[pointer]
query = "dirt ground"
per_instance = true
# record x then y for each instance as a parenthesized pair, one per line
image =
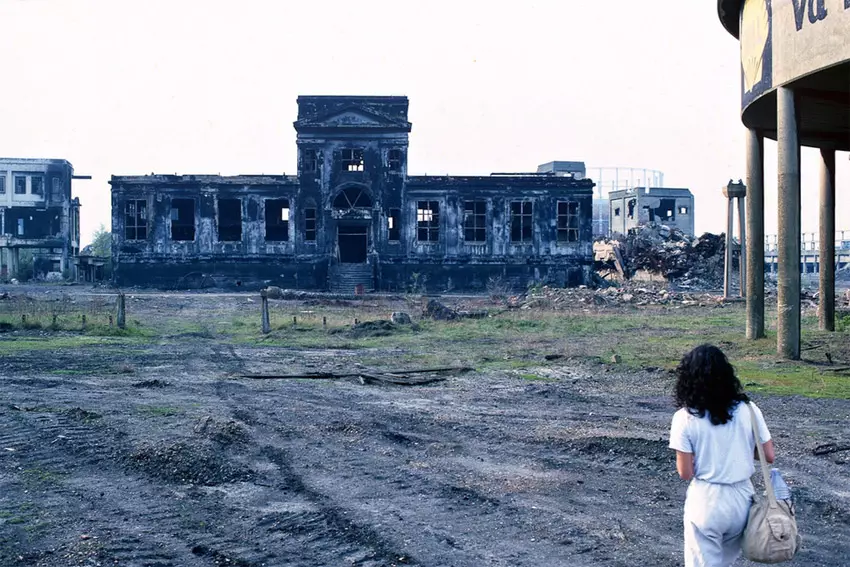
(160, 454)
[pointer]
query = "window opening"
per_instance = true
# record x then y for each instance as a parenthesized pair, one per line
(57, 189)
(352, 159)
(394, 225)
(683, 210)
(475, 221)
(394, 160)
(352, 198)
(568, 221)
(650, 212)
(135, 219)
(229, 220)
(183, 219)
(521, 221)
(20, 185)
(310, 161)
(617, 211)
(666, 209)
(277, 220)
(2, 184)
(631, 205)
(427, 221)
(37, 185)
(310, 225)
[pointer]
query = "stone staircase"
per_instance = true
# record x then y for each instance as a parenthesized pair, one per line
(344, 278)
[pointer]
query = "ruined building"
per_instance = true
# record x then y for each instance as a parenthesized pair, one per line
(637, 206)
(38, 218)
(351, 216)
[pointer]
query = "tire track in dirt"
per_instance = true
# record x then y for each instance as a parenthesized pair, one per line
(432, 465)
(65, 450)
(328, 531)
(320, 535)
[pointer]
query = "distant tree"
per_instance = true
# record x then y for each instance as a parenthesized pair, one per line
(101, 244)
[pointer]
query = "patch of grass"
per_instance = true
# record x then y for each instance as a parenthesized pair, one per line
(38, 526)
(842, 322)
(114, 331)
(68, 372)
(792, 378)
(11, 345)
(159, 411)
(39, 475)
(535, 378)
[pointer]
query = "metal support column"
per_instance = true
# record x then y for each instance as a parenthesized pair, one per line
(826, 305)
(755, 231)
(788, 288)
(734, 192)
(742, 256)
(727, 268)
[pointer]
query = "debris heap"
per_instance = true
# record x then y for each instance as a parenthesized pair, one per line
(629, 293)
(659, 252)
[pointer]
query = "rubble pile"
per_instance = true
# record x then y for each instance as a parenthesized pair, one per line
(628, 294)
(658, 250)
(440, 312)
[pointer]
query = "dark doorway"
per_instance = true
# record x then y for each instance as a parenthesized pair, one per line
(353, 241)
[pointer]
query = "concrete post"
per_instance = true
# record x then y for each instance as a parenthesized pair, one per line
(742, 257)
(788, 289)
(13, 263)
(727, 267)
(826, 305)
(755, 231)
(122, 318)
(265, 302)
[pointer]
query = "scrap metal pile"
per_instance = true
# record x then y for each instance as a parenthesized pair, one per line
(659, 253)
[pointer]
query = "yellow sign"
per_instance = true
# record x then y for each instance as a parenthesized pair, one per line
(755, 32)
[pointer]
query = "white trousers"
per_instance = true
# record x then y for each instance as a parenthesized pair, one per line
(715, 518)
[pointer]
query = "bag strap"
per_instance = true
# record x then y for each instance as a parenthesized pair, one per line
(768, 485)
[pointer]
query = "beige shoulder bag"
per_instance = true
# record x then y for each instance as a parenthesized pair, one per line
(771, 533)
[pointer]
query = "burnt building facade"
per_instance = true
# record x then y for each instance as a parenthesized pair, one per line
(630, 208)
(38, 216)
(351, 216)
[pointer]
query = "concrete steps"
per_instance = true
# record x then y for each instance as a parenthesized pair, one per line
(344, 278)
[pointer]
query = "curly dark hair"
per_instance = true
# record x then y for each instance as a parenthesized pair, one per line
(706, 382)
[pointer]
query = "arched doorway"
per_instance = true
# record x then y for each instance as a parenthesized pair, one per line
(352, 208)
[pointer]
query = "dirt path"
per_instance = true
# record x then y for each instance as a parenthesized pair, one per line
(180, 464)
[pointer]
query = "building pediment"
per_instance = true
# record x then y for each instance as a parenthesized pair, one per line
(353, 118)
(356, 118)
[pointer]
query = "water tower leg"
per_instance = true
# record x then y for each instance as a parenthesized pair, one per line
(826, 305)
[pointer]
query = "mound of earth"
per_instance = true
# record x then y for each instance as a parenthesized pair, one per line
(366, 329)
(183, 463)
(222, 432)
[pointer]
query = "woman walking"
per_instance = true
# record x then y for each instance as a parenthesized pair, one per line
(713, 437)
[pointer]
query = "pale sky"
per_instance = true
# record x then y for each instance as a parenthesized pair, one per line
(204, 86)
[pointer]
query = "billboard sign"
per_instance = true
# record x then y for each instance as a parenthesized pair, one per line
(783, 40)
